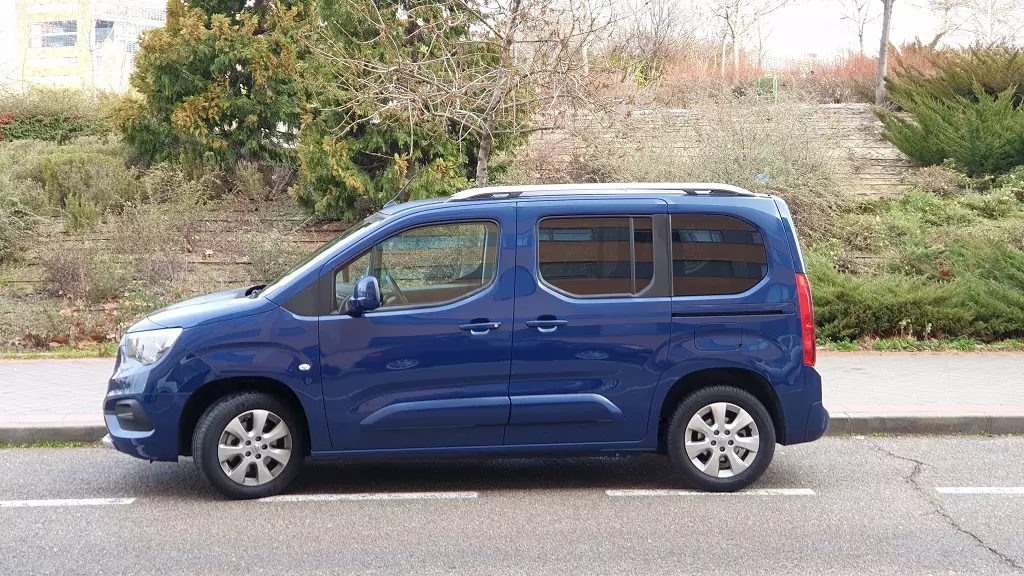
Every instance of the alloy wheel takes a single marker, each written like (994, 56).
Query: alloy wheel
(254, 447)
(721, 440)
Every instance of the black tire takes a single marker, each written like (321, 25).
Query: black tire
(676, 438)
(211, 426)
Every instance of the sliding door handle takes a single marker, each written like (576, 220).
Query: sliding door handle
(546, 325)
(480, 327)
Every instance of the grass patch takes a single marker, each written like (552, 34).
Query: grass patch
(63, 353)
(916, 345)
(47, 444)
(839, 346)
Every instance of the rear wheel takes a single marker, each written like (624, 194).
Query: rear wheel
(249, 445)
(721, 439)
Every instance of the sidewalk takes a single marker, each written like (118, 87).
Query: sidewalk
(924, 393)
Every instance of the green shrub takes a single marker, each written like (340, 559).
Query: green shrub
(932, 210)
(249, 182)
(81, 213)
(166, 183)
(16, 219)
(270, 256)
(91, 169)
(966, 110)
(52, 114)
(153, 240)
(84, 274)
(848, 307)
(941, 180)
(759, 145)
(994, 205)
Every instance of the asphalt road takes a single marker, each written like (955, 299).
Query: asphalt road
(846, 506)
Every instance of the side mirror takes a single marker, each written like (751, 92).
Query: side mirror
(365, 297)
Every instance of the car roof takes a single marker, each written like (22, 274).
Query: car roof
(604, 190)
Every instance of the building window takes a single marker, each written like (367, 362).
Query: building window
(713, 255)
(58, 34)
(104, 29)
(596, 256)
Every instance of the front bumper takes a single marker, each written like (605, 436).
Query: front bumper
(144, 404)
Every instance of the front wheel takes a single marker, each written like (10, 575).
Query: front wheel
(721, 439)
(249, 445)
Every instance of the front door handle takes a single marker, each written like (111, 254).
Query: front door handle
(480, 327)
(546, 325)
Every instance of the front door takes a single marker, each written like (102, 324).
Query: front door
(430, 367)
(592, 320)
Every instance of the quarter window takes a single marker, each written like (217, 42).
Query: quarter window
(713, 255)
(426, 266)
(610, 256)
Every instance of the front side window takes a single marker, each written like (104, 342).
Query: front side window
(715, 255)
(426, 266)
(601, 256)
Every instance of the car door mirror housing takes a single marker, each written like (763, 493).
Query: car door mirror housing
(365, 296)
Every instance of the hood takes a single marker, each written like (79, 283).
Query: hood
(211, 308)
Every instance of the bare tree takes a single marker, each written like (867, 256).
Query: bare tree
(739, 17)
(859, 13)
(991, 21)
(651, 33)
(493, 68)
(883, 52)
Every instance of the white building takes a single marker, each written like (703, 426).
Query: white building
(77, 43)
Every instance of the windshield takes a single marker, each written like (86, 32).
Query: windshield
(316, 258)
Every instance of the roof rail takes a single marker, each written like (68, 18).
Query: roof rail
(695, 189)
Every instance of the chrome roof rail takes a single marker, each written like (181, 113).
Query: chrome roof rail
(694, 189)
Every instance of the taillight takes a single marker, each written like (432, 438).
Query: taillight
(808, 333)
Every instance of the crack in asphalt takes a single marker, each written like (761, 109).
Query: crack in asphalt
(936, 504)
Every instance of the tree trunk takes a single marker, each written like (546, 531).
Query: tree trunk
(883, 53)
(988, 23)
(736, 56)
(860, 38)
(483, 157)
(724, 38)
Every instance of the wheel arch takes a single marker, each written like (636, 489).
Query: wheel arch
(204, 397)
(741, 378)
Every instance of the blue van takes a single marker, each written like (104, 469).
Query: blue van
(502, 321)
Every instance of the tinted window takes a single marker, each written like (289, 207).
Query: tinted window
(426, 266)
(715, 255)
(596, 256)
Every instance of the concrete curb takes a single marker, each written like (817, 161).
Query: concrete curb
(842, 424)
(948, 423)
(34, 433)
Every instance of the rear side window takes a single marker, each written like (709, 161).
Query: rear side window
(610, 256)
(714, 255)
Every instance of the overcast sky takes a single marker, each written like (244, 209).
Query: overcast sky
(815, 27)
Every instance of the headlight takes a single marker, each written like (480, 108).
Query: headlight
(149, 346)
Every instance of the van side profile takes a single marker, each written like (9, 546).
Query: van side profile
(534, 320)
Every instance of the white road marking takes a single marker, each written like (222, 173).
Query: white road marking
(980, 489)
(751, 492)
(372, 496)
(73, 502)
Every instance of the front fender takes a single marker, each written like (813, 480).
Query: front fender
(272, 345)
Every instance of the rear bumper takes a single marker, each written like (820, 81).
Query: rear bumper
(817, 422)
(806, 417)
